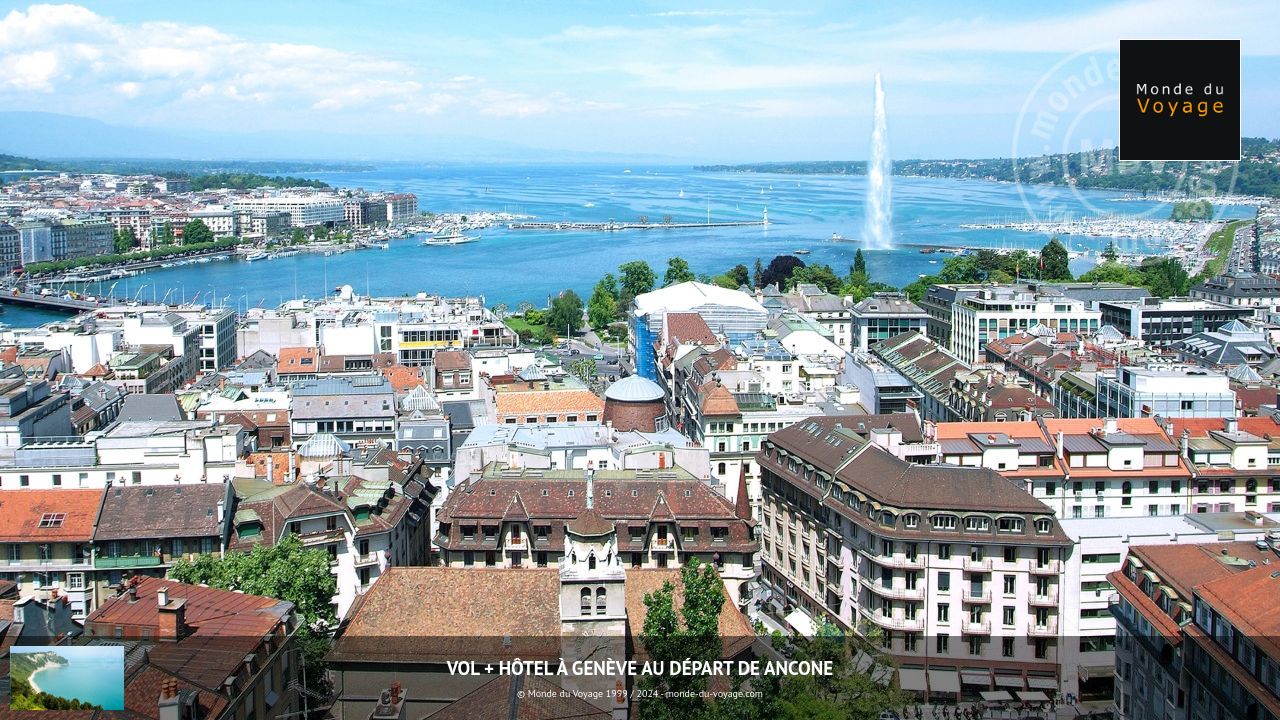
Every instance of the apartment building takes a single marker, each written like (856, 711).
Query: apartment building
(401, 207)
(1255, 291)
(10, 248)
(30, 410)
(517, 517)
(1163, 321)
(1195, 629)
(997, 312)
(1235, 463)
(930, 368)
(813, 303)
(352, 408)
(48, 540)
(304, 210)
(958, 568)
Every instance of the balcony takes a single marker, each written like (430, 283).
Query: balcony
(127, 561)
(368, 559)
(1052, 567)
(1048, 628)
(982, 627)
(897, 623)
(517, 543)
(893, 561)
(1043, 600)
(972, 565)
(663, 544)
(50, 564)
(977, 596)
(324, 537)
(896, 593)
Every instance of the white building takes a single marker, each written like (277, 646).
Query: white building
(304, 210)
(1164, 390)
(997, 312)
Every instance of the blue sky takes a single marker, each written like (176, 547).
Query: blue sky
(688, 80)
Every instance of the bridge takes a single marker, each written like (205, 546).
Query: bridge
(52, 302)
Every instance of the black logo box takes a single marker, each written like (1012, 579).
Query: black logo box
(1187, 66)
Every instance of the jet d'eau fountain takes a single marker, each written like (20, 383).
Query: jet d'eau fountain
(877, 232)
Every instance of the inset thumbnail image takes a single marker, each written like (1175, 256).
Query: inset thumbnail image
(66, 678)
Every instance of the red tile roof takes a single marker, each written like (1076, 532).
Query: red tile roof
(684, 328)
(402, 378)
(60, 514)
(1200, 427)
(452, 360)
(297, 360)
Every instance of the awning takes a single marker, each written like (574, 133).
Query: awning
(1033, 696)
(1009, 681)
(944, 681)
(976, 677)
(801, 623)
(1044, 683)
(996, 696)
(1095, 671)
(911, 679)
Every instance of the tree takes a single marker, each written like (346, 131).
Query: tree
(637, 278)
(501, 310)
(125, 241)
(1054, 261)
(821, 275)
(523, 308)
(739, 275)
(859, 262)
(297, 236)
(565, 313)
(779, 271)
(602, 308)
(668, 640)
(1113, 272)
(1165, 277)
(166, 235)
(584, 368)
(1110, 254)
(286, 571)
(857, 687)
(677, 272)
(757, 274)
(321, 232)
(196, 232)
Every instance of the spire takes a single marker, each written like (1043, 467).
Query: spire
(742, 507)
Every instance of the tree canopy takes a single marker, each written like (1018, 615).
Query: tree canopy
(677, 272)
(196, 232)
(779, 271)
(565, 313)
(602, 308)
(1054, 261)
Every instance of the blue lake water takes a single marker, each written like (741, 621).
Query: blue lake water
(100, 683)
(514, 265)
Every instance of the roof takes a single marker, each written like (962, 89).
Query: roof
(150, 408)
(324, 445)
(689, 295)
(60, 514)
(549, 402)
(402, 377)
(1248, 601)
(688, 328)
(163, 511)
(635, 388)
(452, 360)
(294, 360)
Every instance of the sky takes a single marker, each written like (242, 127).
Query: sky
(701, 81)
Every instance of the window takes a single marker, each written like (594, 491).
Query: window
(1010, 554)
(585, 602)
(1010, 584)
(944, 581)
(1011, 525)
(57, 480)
(1006, 646)
(944, 613)
(1043, 526)
(51, 520)
(1008, 616)
(941, 644)
(944, 551)
(24, 481)
(601, 603)
(490, 558)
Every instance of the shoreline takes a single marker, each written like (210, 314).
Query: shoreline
(31, 679)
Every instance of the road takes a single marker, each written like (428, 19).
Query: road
(608, 366)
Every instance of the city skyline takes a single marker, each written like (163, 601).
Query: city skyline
(664, 82)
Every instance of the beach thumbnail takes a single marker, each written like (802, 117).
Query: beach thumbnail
(66, 678)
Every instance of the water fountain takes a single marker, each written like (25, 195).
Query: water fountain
(877, 232)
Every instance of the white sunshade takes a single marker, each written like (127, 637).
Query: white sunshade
(911, 679)
(944, 681)
(801, 623)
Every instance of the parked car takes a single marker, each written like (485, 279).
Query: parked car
(598, 356)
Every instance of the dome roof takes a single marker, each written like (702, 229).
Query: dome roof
(634, 389)
(323, 445)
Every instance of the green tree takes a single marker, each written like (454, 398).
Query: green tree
(859, 262)
(602, 308)
(739, 274)
(637, 278)
(1054, 261)
(584, 368)
(821, 275)
(166, 235)
(196, 232)
(1165, 277)
(666, 639)
(321, 232)
(857, 688)
(1110, 254)
(287, 571)
(297, 236)
(565, 313)
(125, 241)
(677, 272)
(779, 271)
(757, 274)
(501, 310)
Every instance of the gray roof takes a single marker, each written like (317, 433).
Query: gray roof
(634, 388)
(150, 408)
(324, 445)
(360, 385)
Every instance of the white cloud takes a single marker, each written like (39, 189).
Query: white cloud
(129, 89)
(29, 71)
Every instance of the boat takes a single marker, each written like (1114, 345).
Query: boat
(836, 237)
(454, 237)
(681, 192)
(589, 205)
(926, 251)
(255, 255)
(802, 252)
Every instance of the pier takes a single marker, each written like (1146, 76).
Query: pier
(612, 226)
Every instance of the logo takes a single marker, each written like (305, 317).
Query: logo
(1180, 100)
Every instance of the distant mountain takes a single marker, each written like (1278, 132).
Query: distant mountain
(54, 136)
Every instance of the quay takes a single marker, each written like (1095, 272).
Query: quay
(612, 226)
(52, 302)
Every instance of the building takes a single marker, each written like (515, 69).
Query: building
(724, 311)
(958, 568)
(47, 537)
(1195, 629)
(882, 316)
(997, 312)
(1164, 321)
(531, 397)
(1235, 463)
(352, 408)
(517, 516)
(451, 374)
(1229, 346)
(222, 222)
(828, 310)
(401, 207)
(635, 403)
(880, 388)
(366, 523)
(65, 239)
(10, 248)
(929, 367)
(264, 223)
(1260, 293)
(201, 652)
(30, 410)
(304, 210)
(1164, 390)
(133, 216)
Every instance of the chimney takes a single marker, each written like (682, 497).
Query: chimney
(391, 704)
(171, 704)
(222, 510)
(173, 620)
(591, 487)
(162, 595)
(1232, 424)
(133, 595)
(1185, 443)
(1110, 426)
(1059, 445)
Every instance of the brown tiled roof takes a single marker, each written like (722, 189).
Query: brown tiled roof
(163, 511)
(98, 371)
(142, 690)
(589, 524)
(297, 360)
(549, 402)
(717, 400)
(452, 360)
(402, 378)
(1183, 566)
(688, 328)
(736, 633)
(23, 512)
(1248, 600)
(1200, 427)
